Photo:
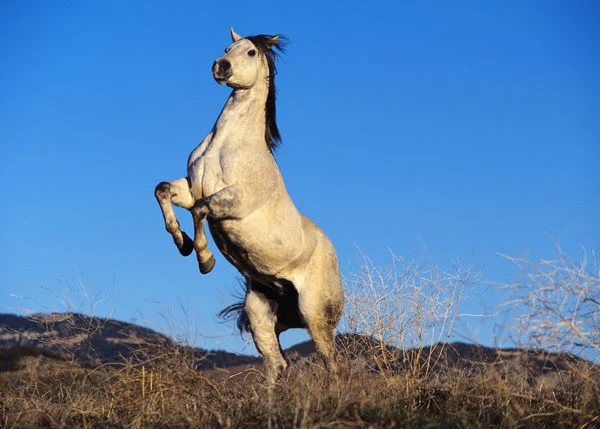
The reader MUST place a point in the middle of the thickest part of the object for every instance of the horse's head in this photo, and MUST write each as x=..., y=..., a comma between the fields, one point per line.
x=246, y=60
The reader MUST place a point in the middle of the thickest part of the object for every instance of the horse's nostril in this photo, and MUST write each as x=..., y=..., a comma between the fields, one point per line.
x=224, y=65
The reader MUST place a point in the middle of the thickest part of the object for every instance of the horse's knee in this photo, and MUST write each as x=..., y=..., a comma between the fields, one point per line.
x=200, y=209
x=162, y=190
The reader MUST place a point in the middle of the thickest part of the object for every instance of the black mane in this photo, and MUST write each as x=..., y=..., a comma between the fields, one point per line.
x=272, y=52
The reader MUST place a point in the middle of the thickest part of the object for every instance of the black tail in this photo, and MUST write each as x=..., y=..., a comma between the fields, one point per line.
x=237, y=311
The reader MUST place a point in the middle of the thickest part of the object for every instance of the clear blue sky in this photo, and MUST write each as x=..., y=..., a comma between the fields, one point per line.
x=458, y=129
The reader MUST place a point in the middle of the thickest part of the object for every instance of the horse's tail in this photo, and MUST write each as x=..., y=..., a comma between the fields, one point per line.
x=238, y=312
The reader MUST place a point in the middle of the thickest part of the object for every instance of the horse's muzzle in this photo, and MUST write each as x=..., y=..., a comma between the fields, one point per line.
x=222, y=71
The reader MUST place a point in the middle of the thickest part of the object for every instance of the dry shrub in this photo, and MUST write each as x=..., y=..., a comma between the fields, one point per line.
x=409, y=310
x=557, y=302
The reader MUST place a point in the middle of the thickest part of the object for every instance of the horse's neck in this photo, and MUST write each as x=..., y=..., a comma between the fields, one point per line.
x=242, y=120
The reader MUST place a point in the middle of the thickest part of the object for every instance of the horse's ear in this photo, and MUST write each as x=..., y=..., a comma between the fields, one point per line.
x=272, y=41
x=234, y=36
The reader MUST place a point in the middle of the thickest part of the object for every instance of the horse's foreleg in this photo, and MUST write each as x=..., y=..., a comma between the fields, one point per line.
x=262, y=317
x=221, y=204
x=176, y=192
x=226, y=203
x=206, y=260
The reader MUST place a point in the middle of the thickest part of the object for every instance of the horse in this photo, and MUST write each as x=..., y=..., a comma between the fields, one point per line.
x=289, y=265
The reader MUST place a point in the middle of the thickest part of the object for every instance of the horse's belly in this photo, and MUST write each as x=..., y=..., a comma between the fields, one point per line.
x=259, y=244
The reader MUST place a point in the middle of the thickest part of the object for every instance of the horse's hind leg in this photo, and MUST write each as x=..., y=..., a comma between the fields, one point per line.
x=262, y=316
x=321, y=307
x=176, y=192
x=323, y=335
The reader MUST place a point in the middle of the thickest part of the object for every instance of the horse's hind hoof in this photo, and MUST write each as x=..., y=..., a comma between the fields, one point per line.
x=187, y=247
x=207, y=266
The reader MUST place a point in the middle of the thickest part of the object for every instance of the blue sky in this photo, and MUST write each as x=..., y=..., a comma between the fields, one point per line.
x=454, y=130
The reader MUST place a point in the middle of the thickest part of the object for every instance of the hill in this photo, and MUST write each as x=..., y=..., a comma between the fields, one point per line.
x=92, y=341
x=95, y=341
x=70, y=370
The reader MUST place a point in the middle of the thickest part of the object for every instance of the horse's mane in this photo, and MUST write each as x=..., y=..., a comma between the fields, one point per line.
x=272, y=52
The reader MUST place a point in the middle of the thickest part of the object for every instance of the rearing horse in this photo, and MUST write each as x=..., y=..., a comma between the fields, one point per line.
x=289, y=265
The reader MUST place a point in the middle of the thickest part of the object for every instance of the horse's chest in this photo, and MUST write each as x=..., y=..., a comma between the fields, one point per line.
x=206, y=176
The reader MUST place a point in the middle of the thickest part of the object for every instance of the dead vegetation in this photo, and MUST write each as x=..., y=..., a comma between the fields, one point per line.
x=398, y=370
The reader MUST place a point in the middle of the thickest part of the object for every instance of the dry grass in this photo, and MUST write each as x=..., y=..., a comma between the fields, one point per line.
x=171, y=393
x=395, y=374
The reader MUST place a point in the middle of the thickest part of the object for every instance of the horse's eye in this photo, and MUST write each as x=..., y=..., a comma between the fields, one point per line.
x=251, y=52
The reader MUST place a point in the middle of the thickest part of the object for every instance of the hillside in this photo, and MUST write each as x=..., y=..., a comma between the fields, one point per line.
x=70, y=370
x=94, y=340
x=91, y=341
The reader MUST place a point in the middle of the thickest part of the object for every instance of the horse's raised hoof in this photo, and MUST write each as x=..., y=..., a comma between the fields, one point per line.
x=207, y=266
x=187, y=247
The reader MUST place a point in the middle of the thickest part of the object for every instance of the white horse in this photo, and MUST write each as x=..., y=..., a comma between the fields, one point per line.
x=289, y=265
